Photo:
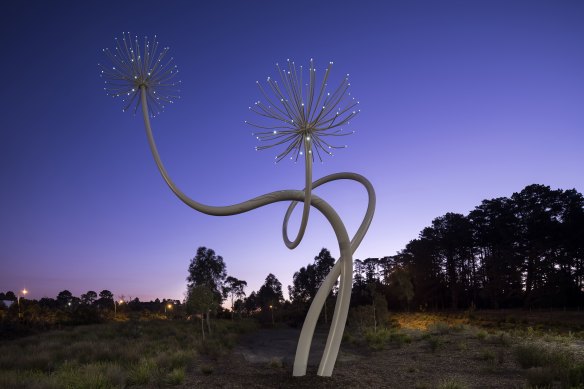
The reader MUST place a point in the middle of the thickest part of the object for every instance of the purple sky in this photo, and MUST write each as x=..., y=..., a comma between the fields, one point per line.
x=461, y=101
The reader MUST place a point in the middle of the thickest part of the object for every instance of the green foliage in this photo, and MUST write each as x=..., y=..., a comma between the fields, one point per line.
x=488, y=356
x=451, y=383
x=531, y=355
x=270, y=292
x=307, y=280
x=435, y=343
x=276, y=363
x=201, y=299
x=549, y=364
x=100, y=356
x=540, y=377
x=142, y=372
x=400, y=285
x=176, y=376
x=377, y=339
x=481, y=335
x=517, y=251
x=209, y=270
x=439, y=328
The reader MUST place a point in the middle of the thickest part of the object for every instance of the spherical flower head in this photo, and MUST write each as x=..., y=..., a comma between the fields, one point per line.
x=302, y=116
x=133, y=67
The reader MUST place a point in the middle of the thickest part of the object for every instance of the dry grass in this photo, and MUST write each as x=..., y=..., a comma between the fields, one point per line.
x=113, y=355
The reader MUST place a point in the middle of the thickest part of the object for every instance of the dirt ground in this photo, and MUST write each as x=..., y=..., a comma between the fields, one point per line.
x=264, y=359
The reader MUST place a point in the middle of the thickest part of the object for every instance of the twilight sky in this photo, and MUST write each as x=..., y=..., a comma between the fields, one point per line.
x=460, y=101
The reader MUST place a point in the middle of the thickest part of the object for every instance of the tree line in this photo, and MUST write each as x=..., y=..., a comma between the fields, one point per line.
x=67, y=309
x=525, y=251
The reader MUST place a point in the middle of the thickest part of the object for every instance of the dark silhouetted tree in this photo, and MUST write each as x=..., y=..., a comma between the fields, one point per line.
x=234, y=288
x=270, y=293
x=202, y=299
x=89, y=298
x=207, y=270
x=64, y=298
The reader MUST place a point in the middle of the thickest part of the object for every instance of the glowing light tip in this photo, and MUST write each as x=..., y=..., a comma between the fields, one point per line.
x=135, y=68
x=303, y=111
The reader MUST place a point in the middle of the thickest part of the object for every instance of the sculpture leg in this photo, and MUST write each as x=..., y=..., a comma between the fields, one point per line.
x=305, y=340
x=335, y=336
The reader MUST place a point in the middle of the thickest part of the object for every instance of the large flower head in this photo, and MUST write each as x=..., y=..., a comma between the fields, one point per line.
x=133, y=66
x=298, y=115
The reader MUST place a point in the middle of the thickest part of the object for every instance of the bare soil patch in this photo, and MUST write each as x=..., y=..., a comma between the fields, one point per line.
x=264, y=360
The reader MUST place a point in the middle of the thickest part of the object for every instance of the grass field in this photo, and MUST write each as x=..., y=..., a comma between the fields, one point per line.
x=113, y=355
x=417, y=350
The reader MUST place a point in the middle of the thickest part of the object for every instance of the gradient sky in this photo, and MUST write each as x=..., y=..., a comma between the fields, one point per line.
x=461, y=101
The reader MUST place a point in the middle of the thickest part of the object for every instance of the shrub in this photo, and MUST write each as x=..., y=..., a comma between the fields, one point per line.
x=377, y=339
x=142, y=372
x=575, y=376
x=451, y=383
x=488, y=356
x=540, y=377
x=176, y=376
x=276, y=363
x=481, y=335
x=440, y=328
x=434, y=343
x=207, y=369
x=531, y=355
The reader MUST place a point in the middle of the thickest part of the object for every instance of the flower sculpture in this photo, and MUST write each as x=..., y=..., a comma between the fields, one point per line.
x=299, y=119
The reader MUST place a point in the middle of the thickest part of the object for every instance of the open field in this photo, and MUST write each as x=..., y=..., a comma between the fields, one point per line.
x=419, y=350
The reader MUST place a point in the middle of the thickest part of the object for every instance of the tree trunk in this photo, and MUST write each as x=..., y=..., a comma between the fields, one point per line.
x=374, y=319
x=209, y=322
x=203, y=325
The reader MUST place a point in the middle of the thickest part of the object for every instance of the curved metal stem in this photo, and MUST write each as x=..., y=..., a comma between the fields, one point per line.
x=343, y=267
x=307, y=196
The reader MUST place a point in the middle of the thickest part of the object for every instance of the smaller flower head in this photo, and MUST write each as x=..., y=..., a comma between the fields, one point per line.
x=133, y=67
x=300, y=116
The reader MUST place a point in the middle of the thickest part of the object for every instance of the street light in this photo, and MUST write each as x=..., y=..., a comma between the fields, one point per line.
x=22, y=292
x=115, y=309
x=167, y=306
x=272, y=311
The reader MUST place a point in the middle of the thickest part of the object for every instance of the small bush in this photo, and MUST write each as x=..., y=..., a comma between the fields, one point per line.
x=176, y=376
x=440, y=328
x=488, y=356
x=434, y=343
x=540, y=377
x=458, y=327
x=575, y=376
x=207, y=369
x=276, y=363
x=211, y=348
x=377, y=339
x=142, y=372
x=531, y=355
x=348, y=338
x=398, y=338
x=481, y=335
x=451, y=383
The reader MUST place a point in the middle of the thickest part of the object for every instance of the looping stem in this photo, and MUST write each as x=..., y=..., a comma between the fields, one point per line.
x=307, y=196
